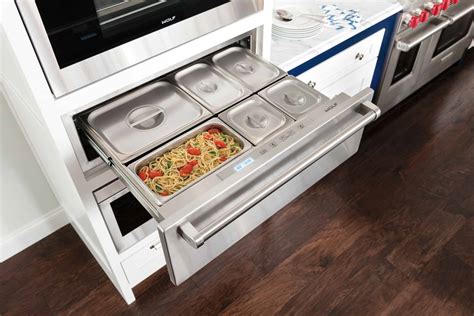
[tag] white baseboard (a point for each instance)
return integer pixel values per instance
(32, 233)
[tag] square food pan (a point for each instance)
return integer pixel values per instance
(137, 165)
(214, 89)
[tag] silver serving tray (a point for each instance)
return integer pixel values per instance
(137, 165)
(212, 88)
(249, 69)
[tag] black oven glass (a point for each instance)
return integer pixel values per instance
(129, 213)
(405, 64)
(81, 29)
(453, 33)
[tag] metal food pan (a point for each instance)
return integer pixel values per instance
(261, 73)
(224, 92)
(137, 165)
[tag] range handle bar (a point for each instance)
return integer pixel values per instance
(406, 43)
(197, 238)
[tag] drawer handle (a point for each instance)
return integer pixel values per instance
(360, 56)
(196, 238)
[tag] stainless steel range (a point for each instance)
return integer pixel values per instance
(166, 141)
(431, 37)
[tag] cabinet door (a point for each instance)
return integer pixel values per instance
(352, 83)
(344, 62)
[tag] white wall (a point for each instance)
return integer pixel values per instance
(28, 209)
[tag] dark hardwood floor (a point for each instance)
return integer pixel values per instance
(389, 232)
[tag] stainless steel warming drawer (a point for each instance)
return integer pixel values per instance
(282, 157)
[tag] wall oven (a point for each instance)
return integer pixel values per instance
(422, 52)
(79, 42)
(217, 147)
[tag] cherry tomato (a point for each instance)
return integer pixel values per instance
(220, 144)
(186, 170)
(213, 131)
(193, 162)
(194, 151)
(164, 193)
(207, 136)
(223, 158)
(143, 175)
(155, 173)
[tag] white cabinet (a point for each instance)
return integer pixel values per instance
(349, 71)
(353, 82)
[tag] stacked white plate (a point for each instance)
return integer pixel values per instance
(306, 22)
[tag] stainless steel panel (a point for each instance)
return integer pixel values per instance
(293, 97)
(390, 94)
(137, 165)
(255, 119)
(251, 70)
(212, 88)
(145, 118)
(63, 81)
(186, 260)
(433, 66)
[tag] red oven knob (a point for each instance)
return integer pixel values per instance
(413, 23)
(445, 5)
(436, 9)
(424, 15)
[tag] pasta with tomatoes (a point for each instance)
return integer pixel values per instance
(175, 169)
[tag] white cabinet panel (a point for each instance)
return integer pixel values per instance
(144, 262)
(352, 83)
(344, 62)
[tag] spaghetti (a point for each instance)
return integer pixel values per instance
(175, 169)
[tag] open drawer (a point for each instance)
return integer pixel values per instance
(204, 218)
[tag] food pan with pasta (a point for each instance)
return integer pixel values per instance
(189, 158)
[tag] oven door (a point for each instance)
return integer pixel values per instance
(201, 222)
(79, 42)
(405, 63)
(448, 47)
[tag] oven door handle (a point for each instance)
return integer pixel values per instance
(406, 43)
(453, 18)
(197, 238)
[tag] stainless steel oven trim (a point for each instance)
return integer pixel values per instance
(105, 197)
(68, 79)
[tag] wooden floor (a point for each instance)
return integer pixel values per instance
(389, 232)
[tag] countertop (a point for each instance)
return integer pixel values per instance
(288, 54)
